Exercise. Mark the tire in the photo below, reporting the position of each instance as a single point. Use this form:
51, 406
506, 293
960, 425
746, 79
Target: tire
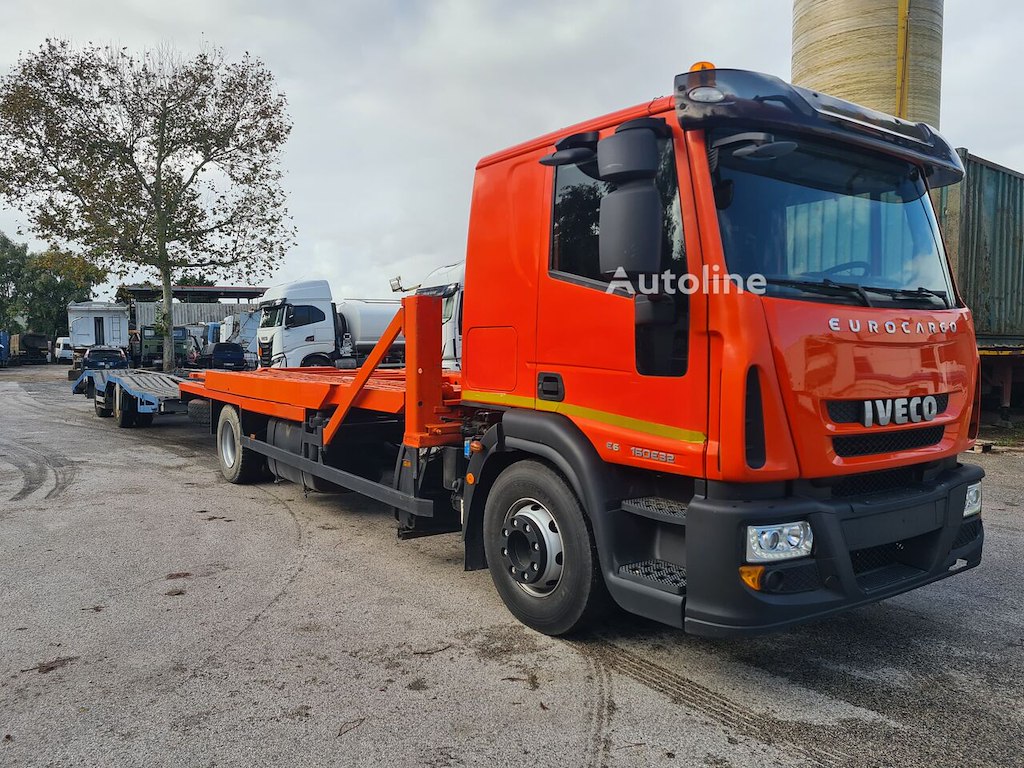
143, 419
314, 361
199, 412
124, 408
238, 465
531, 512
100, 410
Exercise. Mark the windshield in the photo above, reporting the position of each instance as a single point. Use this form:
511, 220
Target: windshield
105, 355
272, 316
180, 334
824, 223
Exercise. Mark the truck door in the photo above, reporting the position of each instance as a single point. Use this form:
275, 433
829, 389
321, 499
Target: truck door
308, 331
637, 389
97, 324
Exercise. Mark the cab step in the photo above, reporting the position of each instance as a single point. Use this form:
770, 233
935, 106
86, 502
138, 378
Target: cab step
660, 574
657, 508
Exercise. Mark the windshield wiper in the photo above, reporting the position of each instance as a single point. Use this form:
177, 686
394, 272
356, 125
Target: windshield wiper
826, 286
911, 293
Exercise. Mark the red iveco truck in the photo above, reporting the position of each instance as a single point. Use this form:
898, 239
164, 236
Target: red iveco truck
631, 428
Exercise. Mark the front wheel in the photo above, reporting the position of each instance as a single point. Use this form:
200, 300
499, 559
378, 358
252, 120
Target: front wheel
238, 464
316, 361
540, 551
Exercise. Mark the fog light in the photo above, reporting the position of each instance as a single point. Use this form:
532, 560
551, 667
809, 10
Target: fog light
972, 504
766, 543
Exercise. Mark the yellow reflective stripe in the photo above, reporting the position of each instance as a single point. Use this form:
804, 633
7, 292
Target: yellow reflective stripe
498, 398
579, 411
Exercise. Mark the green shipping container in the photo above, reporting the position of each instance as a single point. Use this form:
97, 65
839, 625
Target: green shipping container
982, 223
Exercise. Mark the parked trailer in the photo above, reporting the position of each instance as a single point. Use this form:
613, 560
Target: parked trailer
29, 349
132, 397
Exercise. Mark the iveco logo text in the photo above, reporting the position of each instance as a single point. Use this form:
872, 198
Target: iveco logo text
891, 326
900, 410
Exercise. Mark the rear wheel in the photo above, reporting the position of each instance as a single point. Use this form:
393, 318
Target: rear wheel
101, 410
540, 550
238, 464
199, 412
124, 408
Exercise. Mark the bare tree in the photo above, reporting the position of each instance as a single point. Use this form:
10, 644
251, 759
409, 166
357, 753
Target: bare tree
149, 162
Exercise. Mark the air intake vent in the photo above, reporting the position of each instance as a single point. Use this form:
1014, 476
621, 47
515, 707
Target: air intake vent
887, 442
753, 415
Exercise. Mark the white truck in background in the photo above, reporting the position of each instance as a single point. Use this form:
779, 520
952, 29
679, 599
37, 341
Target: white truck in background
446, 282
240, 328
302, 326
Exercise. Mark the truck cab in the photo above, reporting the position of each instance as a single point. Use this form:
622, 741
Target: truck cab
146, 346
301, 326
727, 319
297, 325
447, 283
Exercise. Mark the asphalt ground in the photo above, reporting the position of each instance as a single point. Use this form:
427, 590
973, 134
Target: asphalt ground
151, 614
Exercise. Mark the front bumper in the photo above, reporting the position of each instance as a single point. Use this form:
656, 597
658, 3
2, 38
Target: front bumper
865, 549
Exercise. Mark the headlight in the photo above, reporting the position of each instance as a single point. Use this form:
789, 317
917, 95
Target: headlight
784, 541
972, 504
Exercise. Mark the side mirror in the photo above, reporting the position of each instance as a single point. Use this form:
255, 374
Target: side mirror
653, 310
631, 214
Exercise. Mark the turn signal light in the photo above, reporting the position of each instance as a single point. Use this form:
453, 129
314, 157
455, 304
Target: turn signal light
752, 575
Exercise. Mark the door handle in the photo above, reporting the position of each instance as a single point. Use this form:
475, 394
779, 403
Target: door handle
550, 387
310, 338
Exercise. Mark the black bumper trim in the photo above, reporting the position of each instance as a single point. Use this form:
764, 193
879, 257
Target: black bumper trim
922, 525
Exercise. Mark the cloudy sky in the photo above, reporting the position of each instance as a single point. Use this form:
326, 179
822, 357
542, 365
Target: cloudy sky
394, 101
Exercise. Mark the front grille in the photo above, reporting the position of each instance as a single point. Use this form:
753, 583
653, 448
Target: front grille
874, 482
968, 532
266, 351
851, 411
873, 558
881, 566
887, 442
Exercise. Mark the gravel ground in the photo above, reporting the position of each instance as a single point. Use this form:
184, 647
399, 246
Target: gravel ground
151, 614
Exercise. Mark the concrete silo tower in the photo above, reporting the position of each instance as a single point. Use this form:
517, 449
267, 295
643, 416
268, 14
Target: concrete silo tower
884, 54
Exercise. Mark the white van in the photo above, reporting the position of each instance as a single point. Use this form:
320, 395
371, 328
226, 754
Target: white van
62, 349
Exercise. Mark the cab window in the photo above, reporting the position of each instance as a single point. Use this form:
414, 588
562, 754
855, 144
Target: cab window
661, 350
304, 315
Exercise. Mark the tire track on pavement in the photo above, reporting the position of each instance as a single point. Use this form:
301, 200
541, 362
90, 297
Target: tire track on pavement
688, 693
602, 708
36, 467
